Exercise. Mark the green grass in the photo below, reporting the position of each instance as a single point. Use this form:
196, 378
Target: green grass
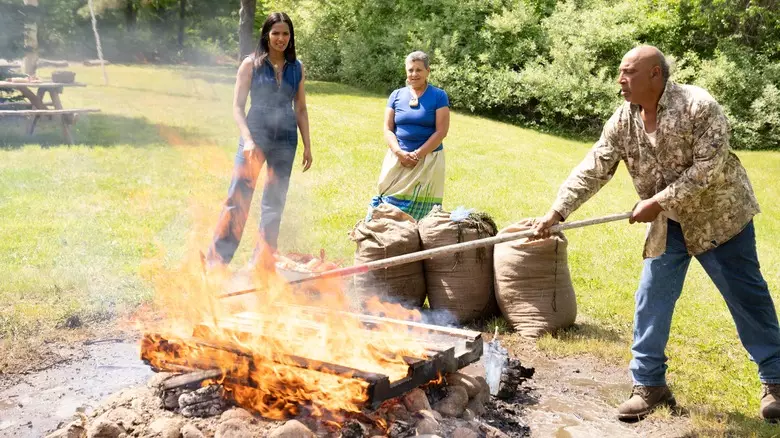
79, 223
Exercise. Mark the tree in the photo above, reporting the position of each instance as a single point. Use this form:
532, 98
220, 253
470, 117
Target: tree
31, 38
246, 23
182, 9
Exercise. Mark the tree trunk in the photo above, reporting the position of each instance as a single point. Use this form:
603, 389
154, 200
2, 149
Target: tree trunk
31, 40
182, 7
246, 24
131, 15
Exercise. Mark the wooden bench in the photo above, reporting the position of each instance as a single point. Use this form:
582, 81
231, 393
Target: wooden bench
68, 117
39, 107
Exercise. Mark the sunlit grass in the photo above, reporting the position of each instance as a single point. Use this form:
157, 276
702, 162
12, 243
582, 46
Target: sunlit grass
153, 167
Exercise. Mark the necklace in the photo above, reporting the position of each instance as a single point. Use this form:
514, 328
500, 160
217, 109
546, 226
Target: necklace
414, 101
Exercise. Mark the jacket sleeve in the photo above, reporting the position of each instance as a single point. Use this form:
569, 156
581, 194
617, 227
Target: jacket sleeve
710, 152
593, 172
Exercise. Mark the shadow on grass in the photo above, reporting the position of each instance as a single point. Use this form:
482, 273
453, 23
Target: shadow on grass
94, 130
582, 331
193, 95
212, 77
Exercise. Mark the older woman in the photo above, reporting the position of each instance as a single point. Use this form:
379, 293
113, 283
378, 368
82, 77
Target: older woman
417, 119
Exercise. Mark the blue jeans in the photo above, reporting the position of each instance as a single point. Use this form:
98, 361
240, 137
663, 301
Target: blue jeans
733, 267
279, 159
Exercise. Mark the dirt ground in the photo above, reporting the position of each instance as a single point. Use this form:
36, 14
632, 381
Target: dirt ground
569, 397
577, 397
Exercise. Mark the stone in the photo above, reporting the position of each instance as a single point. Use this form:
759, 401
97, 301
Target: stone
73, 430
468, 415
416, 400
427, 426
232, 428
464, 432
454, 403
428, 414
124, 417
472, 386
483, 383
104, 429
239, 413
166, 427
476, 405
397, 412
190, 431
292, 429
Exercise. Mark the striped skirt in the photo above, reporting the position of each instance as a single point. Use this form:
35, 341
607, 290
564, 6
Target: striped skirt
414, 190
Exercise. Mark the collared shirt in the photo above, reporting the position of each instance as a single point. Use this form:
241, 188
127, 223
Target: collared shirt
690, 171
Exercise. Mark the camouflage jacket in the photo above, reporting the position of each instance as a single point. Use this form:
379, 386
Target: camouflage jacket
690, 171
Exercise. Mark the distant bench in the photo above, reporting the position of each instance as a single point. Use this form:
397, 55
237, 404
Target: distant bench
37, 107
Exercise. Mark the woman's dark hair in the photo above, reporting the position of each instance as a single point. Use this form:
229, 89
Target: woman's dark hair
262, 46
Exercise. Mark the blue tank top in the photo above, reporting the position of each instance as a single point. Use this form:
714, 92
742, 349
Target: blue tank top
271, 117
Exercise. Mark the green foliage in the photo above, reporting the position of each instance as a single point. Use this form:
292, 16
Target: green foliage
552, 63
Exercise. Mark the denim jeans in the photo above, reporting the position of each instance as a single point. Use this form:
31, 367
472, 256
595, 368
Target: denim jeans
279, 159
734, 268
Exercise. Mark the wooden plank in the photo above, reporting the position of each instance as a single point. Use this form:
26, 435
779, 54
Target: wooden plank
53, 112
195, 377
17, 85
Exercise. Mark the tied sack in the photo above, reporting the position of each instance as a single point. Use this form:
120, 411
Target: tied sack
461, 283
533, 284
389, 233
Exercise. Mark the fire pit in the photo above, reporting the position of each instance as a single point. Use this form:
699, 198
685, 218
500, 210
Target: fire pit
242, 367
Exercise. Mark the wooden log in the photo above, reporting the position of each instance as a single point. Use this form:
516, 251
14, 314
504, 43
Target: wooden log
191, 379
95, 62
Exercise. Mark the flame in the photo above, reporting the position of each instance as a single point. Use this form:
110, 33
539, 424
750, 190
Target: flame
283, 352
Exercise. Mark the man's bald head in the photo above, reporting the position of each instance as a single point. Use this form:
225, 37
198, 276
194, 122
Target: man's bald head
643, 75
651, 57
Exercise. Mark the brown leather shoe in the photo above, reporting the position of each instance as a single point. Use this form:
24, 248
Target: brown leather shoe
770, 402
643, 400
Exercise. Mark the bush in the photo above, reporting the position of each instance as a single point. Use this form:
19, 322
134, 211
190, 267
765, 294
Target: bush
552, 63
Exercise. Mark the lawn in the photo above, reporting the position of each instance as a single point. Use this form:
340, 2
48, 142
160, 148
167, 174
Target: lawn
81, 224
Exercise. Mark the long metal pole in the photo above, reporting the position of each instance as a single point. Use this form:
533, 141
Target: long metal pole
440, 251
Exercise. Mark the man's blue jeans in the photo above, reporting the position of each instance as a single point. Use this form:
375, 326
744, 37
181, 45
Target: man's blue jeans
279, 159
733, 267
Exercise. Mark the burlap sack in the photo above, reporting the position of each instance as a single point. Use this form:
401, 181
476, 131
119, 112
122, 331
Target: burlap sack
390, 232
533, 284
460, 283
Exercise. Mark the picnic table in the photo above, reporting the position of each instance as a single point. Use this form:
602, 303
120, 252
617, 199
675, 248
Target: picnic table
38, 107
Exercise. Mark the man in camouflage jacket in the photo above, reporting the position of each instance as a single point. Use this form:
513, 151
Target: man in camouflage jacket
699, 202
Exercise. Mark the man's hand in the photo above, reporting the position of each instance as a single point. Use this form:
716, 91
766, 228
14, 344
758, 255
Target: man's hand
645, 211
542, 225
307, 159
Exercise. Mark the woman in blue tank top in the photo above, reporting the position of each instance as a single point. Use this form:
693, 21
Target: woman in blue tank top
274, 79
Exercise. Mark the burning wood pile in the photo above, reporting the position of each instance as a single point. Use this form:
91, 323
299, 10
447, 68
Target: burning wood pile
227, 366
281, 373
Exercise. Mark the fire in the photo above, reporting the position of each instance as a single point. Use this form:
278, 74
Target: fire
281, 350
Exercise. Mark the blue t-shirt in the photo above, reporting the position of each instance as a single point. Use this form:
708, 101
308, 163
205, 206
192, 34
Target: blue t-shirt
413, 126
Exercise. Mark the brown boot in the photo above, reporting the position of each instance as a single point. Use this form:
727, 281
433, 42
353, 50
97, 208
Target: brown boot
643, 400
770, 402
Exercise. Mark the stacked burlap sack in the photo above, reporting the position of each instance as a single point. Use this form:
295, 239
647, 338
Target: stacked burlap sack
528, 280
460, 283
389, 232
533, 283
